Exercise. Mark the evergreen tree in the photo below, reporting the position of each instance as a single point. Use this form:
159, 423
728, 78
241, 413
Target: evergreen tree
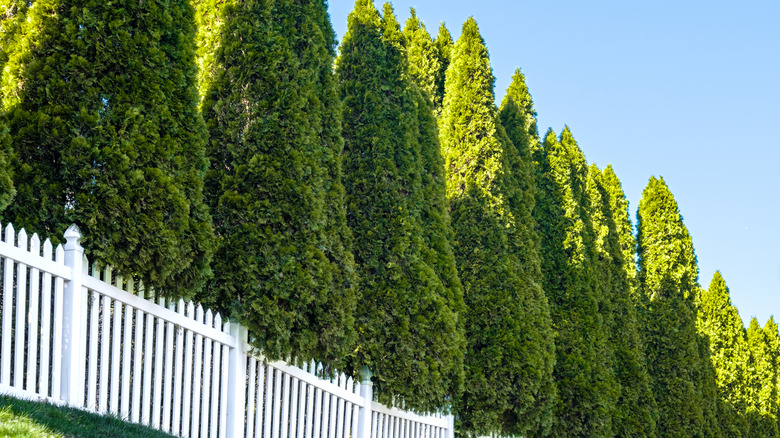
619, 206
507, 322
11, 14
635, 413
720, 322
409, 335
518, 119
423, 56
668, 275
274, 176
444, 45
763, 378
587, 390
102, 110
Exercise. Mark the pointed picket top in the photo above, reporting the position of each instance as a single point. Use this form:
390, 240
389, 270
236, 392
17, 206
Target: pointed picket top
191, 310
199, 313
217, 321
47, 249
107, 271
181, 306
312, 367
120, 282
9, 233
35, 244
59, 253
22, 239
130, 286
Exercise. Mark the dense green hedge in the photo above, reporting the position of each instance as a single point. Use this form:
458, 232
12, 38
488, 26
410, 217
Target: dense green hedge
635, 410
518, 119
283, 265
409, 334
102, 109
587, 389
506, 321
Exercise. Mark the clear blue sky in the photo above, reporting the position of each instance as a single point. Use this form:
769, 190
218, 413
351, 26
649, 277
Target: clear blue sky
687, 90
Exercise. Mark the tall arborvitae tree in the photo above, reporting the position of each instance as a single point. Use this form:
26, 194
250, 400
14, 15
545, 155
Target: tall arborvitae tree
763, 378
102, 110
518, 119
636, 412
12, 12
668, 275
444, 45
720, 322
408, 333
587, 390
282, 266
423, 56
507, 324
619, 206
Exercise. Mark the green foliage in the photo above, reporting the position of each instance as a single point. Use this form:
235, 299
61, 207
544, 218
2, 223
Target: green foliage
423, 57
444, 45
507, 322
764, 345
11, 14
636, 411
518, 119
587, 390
283, 266
627, 240
668, 275
719, 320
409, 334
102, 109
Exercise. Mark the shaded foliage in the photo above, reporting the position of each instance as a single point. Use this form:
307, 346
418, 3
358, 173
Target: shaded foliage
101, 105
509, 343
409, 334
283, 265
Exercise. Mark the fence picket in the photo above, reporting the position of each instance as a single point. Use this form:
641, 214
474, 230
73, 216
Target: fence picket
286, 392
135, 414
8, 287
105, 337
158, 371
93, 352
207, 366
21, 312
178, 371
197, 377
148, 325
223, 404
250, 399
168, 379
188, 377
57, 335
318, 395
215, 381
124, 410
294, 402
32, 324
46, 324
116, 344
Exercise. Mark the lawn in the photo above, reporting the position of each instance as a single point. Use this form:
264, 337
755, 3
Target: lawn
32, 419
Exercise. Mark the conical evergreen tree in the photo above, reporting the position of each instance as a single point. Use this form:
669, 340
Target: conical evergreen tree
274, 175
668, 275
636, 412
409, 334
518, 119
444, 44
587, 390
509, 343
619, 206
719, 320
763, 378
102, 109
12, 13
423, 56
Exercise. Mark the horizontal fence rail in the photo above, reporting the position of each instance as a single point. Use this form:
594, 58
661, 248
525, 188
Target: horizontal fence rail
75, 333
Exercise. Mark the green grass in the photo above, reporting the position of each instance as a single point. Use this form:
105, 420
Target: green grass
31, 419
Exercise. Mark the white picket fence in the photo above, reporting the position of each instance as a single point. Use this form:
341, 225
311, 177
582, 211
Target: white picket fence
74, 333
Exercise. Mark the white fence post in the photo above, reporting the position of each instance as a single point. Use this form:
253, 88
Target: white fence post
236, 390
367, 392
73, 327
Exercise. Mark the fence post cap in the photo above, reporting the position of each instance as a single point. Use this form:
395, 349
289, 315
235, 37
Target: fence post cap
365, 374
72, 237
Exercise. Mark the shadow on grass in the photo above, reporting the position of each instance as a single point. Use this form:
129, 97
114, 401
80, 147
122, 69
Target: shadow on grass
46, 420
